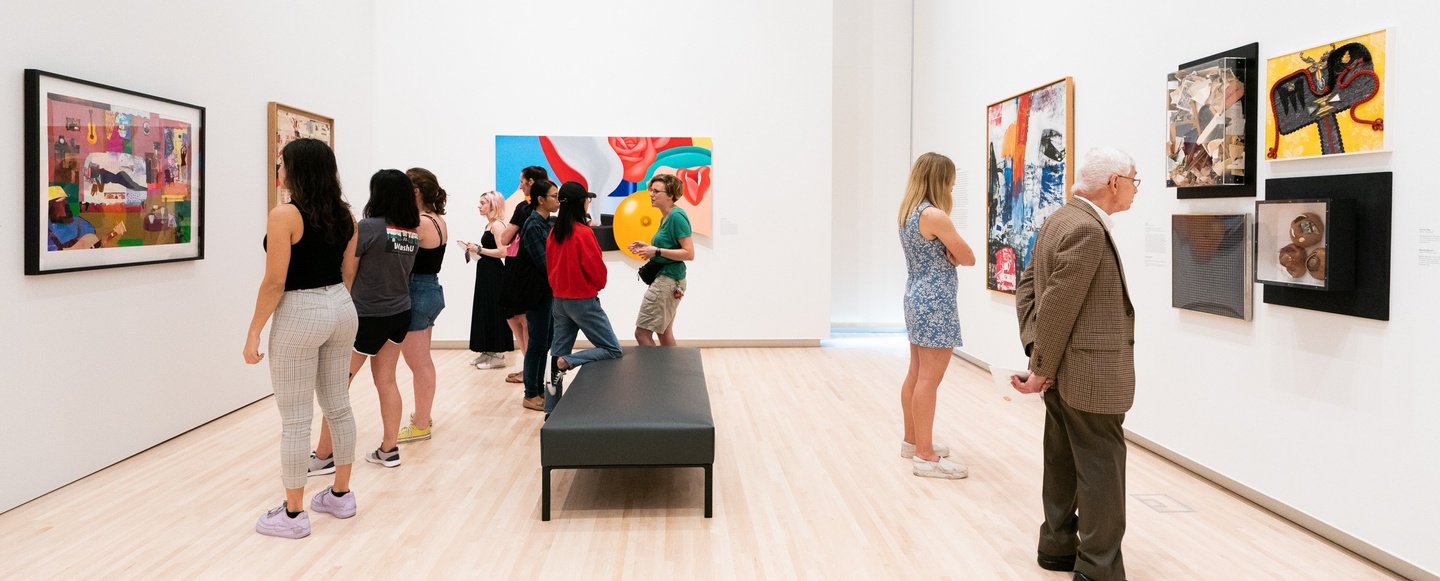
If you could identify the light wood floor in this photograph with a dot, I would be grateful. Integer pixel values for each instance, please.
(808, 484)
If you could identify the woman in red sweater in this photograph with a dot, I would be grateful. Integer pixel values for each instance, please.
(577, 274)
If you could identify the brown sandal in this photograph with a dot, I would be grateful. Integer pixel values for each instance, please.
(514, 378)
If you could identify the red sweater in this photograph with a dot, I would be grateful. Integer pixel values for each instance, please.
(575, 267)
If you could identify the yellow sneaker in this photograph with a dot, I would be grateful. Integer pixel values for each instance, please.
(411, 433)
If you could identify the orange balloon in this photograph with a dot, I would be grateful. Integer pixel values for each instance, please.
(635, 220)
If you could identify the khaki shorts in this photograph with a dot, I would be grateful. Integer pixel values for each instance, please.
(657, 310)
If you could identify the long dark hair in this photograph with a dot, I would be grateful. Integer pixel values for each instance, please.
(535, 173)
(431, 194)
(572, 210)
(539, 189)
(313, 179)
(392, 197)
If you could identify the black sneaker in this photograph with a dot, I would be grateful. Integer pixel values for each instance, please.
(389, 459)
(557, 378)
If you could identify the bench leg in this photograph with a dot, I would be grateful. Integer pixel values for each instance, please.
(709, 487)
(545, 496)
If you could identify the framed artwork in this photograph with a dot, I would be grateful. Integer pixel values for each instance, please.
(288, 124)
(618, 171)
(1211, 270)
(1029, 140)
(1328, 100)
(1349, 217)
(1211, 125)
(113, 177)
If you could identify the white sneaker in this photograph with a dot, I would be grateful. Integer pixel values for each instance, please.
(941, 468)
(907, 450)
(491, 361)
(478, 358)
(319, 467)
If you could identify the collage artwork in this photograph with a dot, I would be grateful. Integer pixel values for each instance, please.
(617, 170)
(286, 125)
(117, 177)
(1028, 176)
(1206, 125)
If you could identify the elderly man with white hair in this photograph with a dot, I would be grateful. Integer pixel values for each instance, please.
(1078, 327)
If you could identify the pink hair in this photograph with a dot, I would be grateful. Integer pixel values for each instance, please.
(497, 205)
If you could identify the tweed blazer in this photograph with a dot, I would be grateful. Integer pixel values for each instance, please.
(1076, 320)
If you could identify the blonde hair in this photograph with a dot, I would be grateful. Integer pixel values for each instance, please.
(931, 178)
(497, 205)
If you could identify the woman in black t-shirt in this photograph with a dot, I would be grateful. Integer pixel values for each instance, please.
(510, 239)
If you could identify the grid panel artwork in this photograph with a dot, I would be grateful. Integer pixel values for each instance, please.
(1211, 269)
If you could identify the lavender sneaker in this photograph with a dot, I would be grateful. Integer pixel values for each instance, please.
(336, 506)
(278, 524)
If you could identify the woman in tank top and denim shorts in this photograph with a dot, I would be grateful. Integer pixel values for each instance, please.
(427, 299)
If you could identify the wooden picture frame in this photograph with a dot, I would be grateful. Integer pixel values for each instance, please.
(113, 177)
(1021, 130)
(286, 124)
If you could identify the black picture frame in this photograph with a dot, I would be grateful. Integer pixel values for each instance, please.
(1251, 54)
(96, 165)
(1371, 197)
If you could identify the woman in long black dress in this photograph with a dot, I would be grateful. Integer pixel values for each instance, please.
(490, 334)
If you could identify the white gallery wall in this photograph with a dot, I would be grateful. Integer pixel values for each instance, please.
(1334, 416)
(872, 161)
(102, 364)
(755, 76)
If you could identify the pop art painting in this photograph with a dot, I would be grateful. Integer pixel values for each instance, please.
(617, 170)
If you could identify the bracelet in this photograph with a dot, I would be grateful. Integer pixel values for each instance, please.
(657, 253)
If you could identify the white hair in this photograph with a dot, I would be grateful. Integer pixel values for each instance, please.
(1101, 163)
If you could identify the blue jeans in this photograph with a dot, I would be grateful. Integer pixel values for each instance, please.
(538, 321)
(571, 316)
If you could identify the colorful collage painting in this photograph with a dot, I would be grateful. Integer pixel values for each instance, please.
(1030, 169)
(1328, 100)
(119, 172)
(288, 124)
(617, 170)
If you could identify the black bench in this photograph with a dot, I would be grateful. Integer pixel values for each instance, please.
(647, 409)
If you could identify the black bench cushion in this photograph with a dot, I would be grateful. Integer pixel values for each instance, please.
(649, 407)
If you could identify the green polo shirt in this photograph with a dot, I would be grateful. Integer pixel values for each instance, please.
(675, 227)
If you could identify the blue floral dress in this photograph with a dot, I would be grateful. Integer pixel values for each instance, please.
(931, 316)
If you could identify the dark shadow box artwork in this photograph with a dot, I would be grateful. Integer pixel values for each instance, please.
(1336, 226)
(1210, 125)
(1210, 269)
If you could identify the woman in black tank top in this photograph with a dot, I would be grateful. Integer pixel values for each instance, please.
(427, 299)
(309, 267)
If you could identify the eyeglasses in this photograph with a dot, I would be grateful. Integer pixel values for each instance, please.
(659, 192)
(1135, 180)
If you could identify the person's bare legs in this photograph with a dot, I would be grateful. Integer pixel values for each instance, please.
(416, 350)
(931, 369)
(324, 448)
(907, 393)
(667, 339)
(382, 369)
(644, 337)
(521, 329)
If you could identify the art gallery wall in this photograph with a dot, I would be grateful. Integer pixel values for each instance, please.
(100, 365)
(872, 161)
(754, 76)
(1333, 416)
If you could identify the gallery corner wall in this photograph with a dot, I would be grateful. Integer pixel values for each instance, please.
(100, 365)
(1329, 415)
(753, 76)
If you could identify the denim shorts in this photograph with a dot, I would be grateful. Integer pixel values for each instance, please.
(427, 299)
